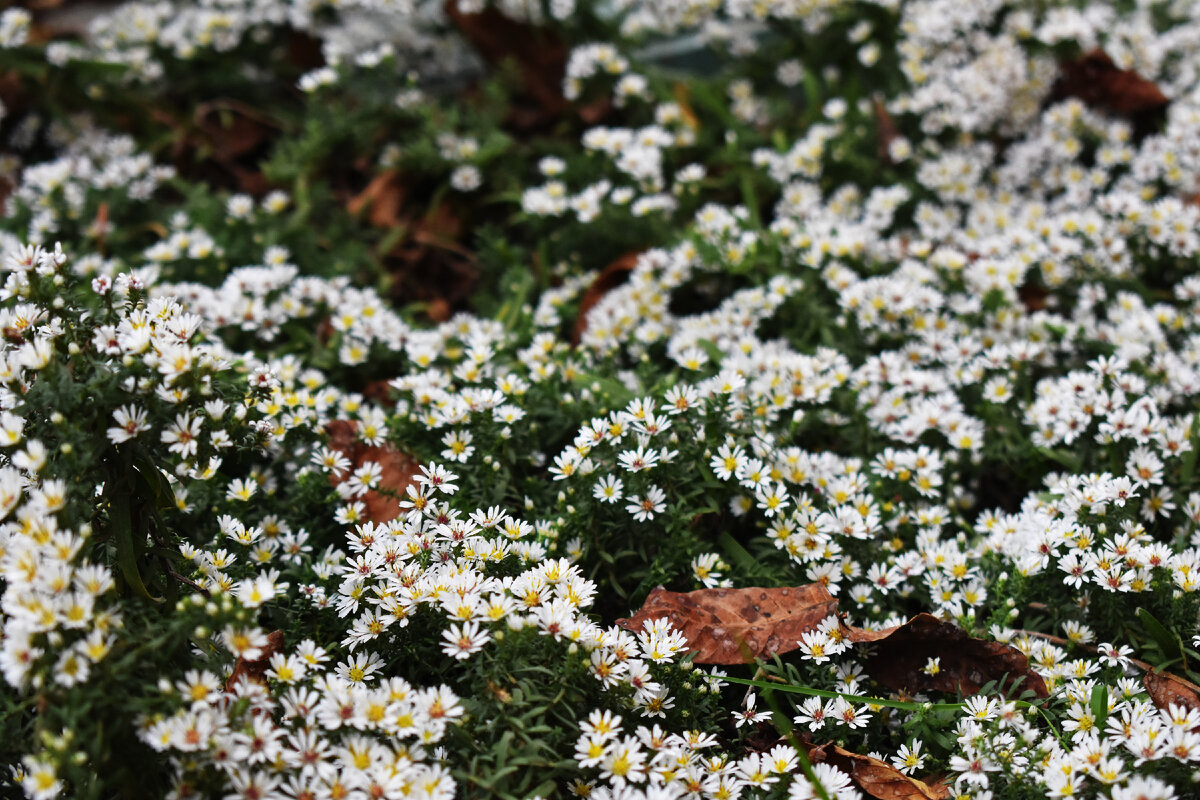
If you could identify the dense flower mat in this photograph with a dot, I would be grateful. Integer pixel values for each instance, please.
(368, 364)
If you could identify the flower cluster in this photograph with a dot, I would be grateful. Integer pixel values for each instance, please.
(336, 452)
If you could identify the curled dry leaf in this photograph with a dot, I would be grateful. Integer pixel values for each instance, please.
(1033, 296)
(539, 53)
(885, 130)
(399, 469)
(898, 656)
(427, 258)
(255, 671)
(877, 778)
(234, 128)
(609, 278)
(1097, 81)
(1166, 690)
(733, 626)
(383, 199)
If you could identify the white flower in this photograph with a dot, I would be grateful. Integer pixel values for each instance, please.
(645, 508)
(466, 178)
(131, 420)
(183, 435)
(464, 640)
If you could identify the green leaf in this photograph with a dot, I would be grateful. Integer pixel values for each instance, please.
(711, 350)
(547, 787)
(1099, 705)
(737, 554)
(1061, 456)
(502, 746)
(1167, 641)
(121, 520)
(611, 388)
(910, 705)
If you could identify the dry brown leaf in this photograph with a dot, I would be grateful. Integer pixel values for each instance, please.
(1097, 81)
(99, 228)
(223, 143)
(885, 130)
(383, 199)
(877, 778)
(1166, 689)
(898, 656)
(399, 469)
(427, 260)
(255, 671)
(683, 99)
(233, 128)
(441, 228)
(609, 278)
(733, 626)
(1033, 296)
(540, 54)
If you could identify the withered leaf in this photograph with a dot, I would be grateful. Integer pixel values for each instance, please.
(609, 278)
(255, 670)
(1166, 689)
(383, 199)
(540, 54)
(426, 258)
(1097, 81)
(897, 658)
(399, 469)
(877, 778)
(732, 626)
(885, 130)
(682, 99)
(234, 128)
(1033, 296)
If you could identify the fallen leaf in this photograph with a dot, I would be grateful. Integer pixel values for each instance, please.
(255, 671)
(399, 469)
(877, 778)
(304, 51)
(682, 99)
(609, 278)
(233, 128)
(885, 130)
(732, 626)
(898, 656)
(1166, 689)
(1097, 81)
(99, 228)
(540, 55)
(441, 227)
(438, 310)
(223, 143)
(383, 200)
(378, 391)
(1033, 296)
(427, 260)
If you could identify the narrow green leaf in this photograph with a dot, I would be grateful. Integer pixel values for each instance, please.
(737, 554)
(1099, 705)
(711, 350)
(121, 520)
(502, 746)
(1061, 456)
(1167, 641)
(854, 698)
(784, 726)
